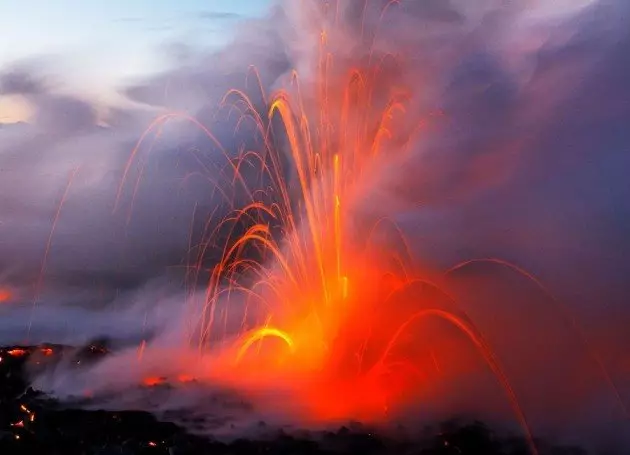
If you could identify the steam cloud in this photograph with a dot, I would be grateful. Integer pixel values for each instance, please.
(526, 161)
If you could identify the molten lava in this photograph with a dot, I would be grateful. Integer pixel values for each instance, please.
(5, 295)
(17, 352)
(154, 381)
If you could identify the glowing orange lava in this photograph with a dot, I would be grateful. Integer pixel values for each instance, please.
(184, 378)
(154, 381)
(259, 335)
(17, 352)
(5, 295)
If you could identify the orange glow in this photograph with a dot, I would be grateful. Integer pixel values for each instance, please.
(184, 378)
(17, 352)
(5, 295)
(14, 108)
(154, 381)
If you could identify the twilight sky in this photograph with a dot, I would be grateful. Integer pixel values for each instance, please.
(127, 33)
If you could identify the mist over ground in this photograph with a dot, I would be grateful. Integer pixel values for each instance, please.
(522, 154)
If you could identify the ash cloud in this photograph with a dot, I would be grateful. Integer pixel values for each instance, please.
(526, 159)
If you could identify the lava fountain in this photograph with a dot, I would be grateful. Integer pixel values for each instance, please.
(326, 305)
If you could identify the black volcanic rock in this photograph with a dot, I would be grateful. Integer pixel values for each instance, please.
(33, 424)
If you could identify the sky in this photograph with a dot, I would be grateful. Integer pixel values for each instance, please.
(127, 34)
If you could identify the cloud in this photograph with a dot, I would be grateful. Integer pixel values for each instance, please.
(92, 246)
(219, 15)
(20, 81)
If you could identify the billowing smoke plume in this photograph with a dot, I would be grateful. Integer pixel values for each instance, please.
(516, 147)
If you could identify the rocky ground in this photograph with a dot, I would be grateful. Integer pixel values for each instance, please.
(33, 424)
